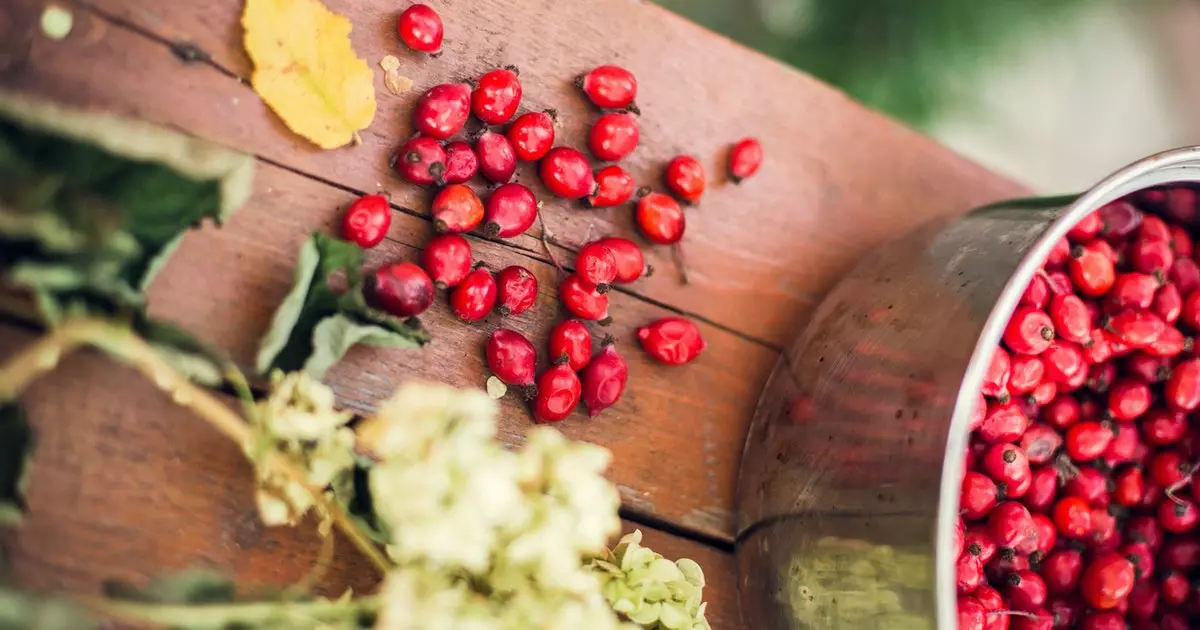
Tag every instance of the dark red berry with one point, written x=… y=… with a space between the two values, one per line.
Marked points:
x=1007 y=464
x=566 y=173
x=609 y=87
x=497 y=160
x=366 y=221
x=613 y=137
x=1120 y=219
x=1061 y=571
x=1161 y=427
x=672 y=340
x=685 y=178
x=1178 y=515
x=979 y=495
x=1040 y=442
x=461 y=163
x=1086 y=230
x=1029 y=331
x=614 y=186
x=475 y=296
x=1089 y=484
x=968 y=573
x=420 y=28
x=1004 y=422
x=1071 y=318
x=443 y=110
x=511 y=357
x=1087 y=440
x=1128 y=399
x=1131 y=291
x=596 y=265
x=516 y=290
x=744 y=159
x=558 y=394
x=1152 y=256
x=582 y=300
x=1106 y=581
x=421 y=161
x=603 y=380
x=1011 y=525
x=1025 y=590
x=447 y=260
x=402 y=290
x=497 y=96
x=660 y=219
x=1182 y=390
x=456 y=209
x=1128 y=486
x=571 y=341
x=995 y=380
x=510 y=210
x=532 y=135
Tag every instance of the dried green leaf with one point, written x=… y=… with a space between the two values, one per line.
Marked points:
x=24 y=610
x=16 y=455
x=336 y=334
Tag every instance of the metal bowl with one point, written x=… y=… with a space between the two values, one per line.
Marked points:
x=850 y=476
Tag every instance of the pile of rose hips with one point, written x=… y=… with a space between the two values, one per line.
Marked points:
x=442 y=155
x=1078 y=508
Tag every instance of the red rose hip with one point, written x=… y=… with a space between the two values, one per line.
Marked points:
x=744 y=159
x=510 y=210
x=511 y=357
x=613 y=137
x=475 y=296
x=1106 y=581
x=571 y=341
x=566 y=173
x=596 y=265
x=603 y=380
x=532 y=135
x=461 y=163
x=582 y=300
x=447 y=260
x=443 y=110
x=497 y=96
x=497 y=159
x=402 y=290
x=685 y=178
x=660 y=219
x=516 y=290
x=631 y=263
x=609 y=87
x=420 y=28
x=614 y=186
x=421 y=161
x=456 y=209
x=367 y=220
x=558 y=393
x=672 y=340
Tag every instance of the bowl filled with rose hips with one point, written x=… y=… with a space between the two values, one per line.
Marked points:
x=992 y=423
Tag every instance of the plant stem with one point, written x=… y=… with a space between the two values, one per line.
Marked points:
x=546 y=238
x=123 y=344
x=249 y=614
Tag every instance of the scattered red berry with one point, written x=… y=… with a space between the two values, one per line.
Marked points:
x=443 y=110
x=610 y=87
x=566 y=173
x=421 y=161
x=660 y=219
x=447 y=260
x=516 y=290
x=582 y=300
x=685 y=178
x=402 y=289
x=571 y=341
x=631 y=263
x=672 y=340
x=497 y=96
x=558 y=394
x=367 y=220
x=475 y=296
x=744 y=159
x=596 y=265
x=497 y=160
x=1106 y=581
x=456 y=209
x=511 y=357
x=532 y=135
x=614 y=186
x=461 y=163
x=510 y=210
x=613 y=137
x=420 y=28
x=603 y=380
x=1029 y=331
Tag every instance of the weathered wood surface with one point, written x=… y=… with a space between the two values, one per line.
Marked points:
x=838 y=180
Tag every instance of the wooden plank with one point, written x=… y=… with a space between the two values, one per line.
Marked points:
x=127 y=486
x=838 y=179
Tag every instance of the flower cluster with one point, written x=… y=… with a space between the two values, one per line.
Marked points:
x=650 y=590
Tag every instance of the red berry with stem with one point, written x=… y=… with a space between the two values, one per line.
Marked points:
x=421 y=161
x=497 y=159
x=1025 y=590
x=1131 y=290
x=532 y=135
x=1007 y=464
x=660 y=219
x=497 y=96
x=447 y=260
x=609 y=87
x=1061 y=570
x=571 y=341
x=1168 y=468
x=971 y=614
x=1004 y=422
x=685 y=178
x=1128 y=399
x=366 y=221
x=1011 y=525
x=582 y=300
x=1040 y=442
x=510 y=210
x=420 y=28
x=1087 y=229
x=978 y=542
x=566 y=173
x=596 y=265
x=979 y=495
x=1120 y=219
x=1142 y=558
x=443 y=110
x=402 y=290
x=1182 y=390
x=558 y=394
x=968 y=573
x=1026 y=374
x=603 y=380
x=461 y=163
x=672 y=340
x=1064 y=362
x=744 y=159
x=1152 y=256
x=1070 y=318
x=1136 y=328
x=1030 y=331
x=1178 y=515
x=614 y=186
x=516 y=290
x=1106 y=581
x=1091 y=269
x=512 y=358
x=475 y=296
x=613 y=137
x=1087 y=440
x=456 y=209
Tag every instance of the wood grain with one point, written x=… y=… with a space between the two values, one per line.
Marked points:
x=837 y=181
x=127 y=486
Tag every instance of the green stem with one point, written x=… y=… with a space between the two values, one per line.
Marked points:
x=44 y=354
x=249 y=614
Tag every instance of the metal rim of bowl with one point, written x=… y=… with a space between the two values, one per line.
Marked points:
x=1169 y=167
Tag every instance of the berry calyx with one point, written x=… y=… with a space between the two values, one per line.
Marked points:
x=366 y=221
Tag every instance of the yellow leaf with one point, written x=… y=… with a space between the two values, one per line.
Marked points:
x=306 y=70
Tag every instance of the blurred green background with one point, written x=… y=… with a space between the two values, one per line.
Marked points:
x=908 y=58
